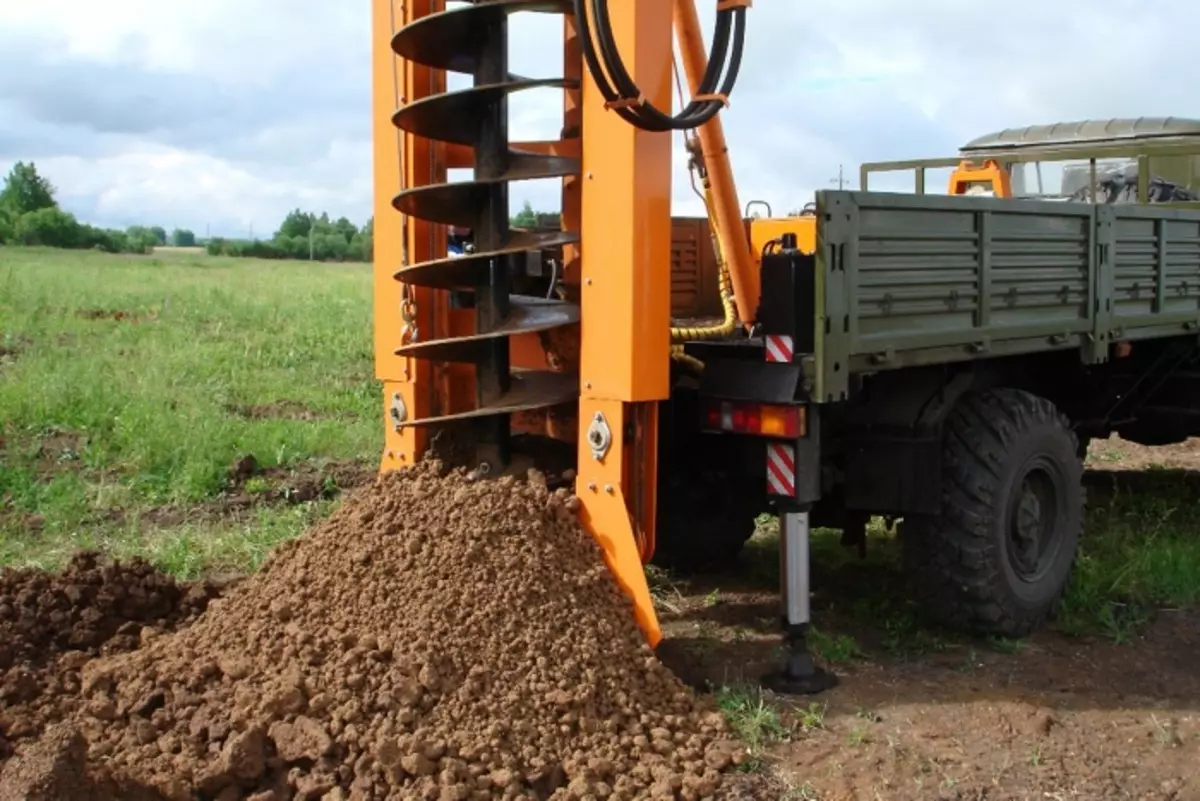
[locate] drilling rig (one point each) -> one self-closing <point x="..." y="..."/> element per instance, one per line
<point x="539" y="343"/>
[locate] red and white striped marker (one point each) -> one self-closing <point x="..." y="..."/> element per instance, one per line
<point x="780" y="349"/>
<point x="781" y="469"/>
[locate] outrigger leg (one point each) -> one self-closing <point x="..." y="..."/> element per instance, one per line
<point x="799" y="675"/>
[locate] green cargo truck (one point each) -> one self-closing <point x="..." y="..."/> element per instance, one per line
<point x="947" y="359"/>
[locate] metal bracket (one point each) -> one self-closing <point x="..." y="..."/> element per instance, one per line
<point x="599" y="436"/>
<point x="398" y="411"/>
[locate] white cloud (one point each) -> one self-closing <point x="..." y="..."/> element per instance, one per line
<point x="229" y="114"/>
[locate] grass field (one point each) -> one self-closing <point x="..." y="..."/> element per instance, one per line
<point x="129" y="387"/>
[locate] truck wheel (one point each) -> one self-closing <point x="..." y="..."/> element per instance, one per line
<point x="704" y="520"/>
<point x="998" y="558"/>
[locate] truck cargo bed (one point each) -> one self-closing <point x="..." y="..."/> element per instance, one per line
<point x="908" y="280"/>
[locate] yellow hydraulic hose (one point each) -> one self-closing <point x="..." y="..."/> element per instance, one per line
<point x="729" y="322"/>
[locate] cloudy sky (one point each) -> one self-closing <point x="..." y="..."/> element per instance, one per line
<point x="223" y="115"/>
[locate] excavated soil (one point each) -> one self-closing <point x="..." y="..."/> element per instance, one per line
<point x="51" y="625"/>
<point x="435" y="638"/>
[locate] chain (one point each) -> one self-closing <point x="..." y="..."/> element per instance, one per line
<point x="408" y="312"/>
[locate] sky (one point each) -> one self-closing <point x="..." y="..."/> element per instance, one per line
<point x="223" y="115"/>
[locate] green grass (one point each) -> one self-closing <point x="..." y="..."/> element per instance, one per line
<point x="753" y="720"/>
<point x="103" y="414"/>
<point x="1139" y="553"/>
<point x="833" y="648"/>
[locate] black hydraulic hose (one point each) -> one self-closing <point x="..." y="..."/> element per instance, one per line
<point x="624" y="83"/>
<point x="697" y="112"/>
<point x="593" y="63"/>
<point x="623" y="97"/>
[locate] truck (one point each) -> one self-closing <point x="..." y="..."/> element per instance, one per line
<point x="951" y="358"/>
<point x="939" y="360"/>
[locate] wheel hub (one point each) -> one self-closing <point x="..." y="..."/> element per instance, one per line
<point x="1032" y="523"/>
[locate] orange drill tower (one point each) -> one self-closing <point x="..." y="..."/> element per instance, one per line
<point x="539" y="336"/>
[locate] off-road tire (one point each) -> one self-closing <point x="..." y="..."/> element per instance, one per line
<point x="1007" y="456"/>
<point x="704" y="520"/>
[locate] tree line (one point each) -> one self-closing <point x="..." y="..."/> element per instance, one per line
<point x="30" y="215"/>
<point x="304" y="235"/>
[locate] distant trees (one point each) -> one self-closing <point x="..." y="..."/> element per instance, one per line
<point x="525" y="218"/>
<point x="147" y="237"/>
<point x="25" y="191"/>
<point x="305" y="235"/>
<point x="528" y="218"/>
<point x="183" y="238"/>
<point x="30" y="215"/>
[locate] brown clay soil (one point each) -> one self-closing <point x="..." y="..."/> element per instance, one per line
<point x="118" y="315"/>
<point x="279" y="410"/>
<point x="248" y="486"/>
<point x="435" y="638"/>
<point x="1120" y="455"/>
<point x="51" y="625"/>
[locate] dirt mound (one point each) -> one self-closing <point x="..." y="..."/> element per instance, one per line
<point x="51" y="624"/>
<point x="52" y="768"/>
<point x="435" y="638"/>
<point x="55" y="769"/>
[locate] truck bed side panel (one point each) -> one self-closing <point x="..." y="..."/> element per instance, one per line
<point x="1153" y="255"/>
<point x="920" y="279"/>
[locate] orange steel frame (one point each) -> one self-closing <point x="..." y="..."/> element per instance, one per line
<point x="990" y="172"/>
<point x="626" y="302"/>
<point x="621" y="205"/>
<point x="402" y="160"/>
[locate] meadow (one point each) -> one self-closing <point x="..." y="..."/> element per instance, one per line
<point x="130" y="385"/>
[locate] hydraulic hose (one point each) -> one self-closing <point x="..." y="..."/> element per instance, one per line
<point x="728" y="324"/>
<point x="622" y="94"/>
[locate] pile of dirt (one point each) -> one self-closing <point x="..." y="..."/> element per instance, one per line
<point x="55" y="768"/>
<point x="435" y="638"/>
<point x="52" y="624"/>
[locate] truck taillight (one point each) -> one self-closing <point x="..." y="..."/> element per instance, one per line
<point x="759" y="419"/>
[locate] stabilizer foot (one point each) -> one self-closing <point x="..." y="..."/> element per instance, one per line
<point x="799" y="675"/>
